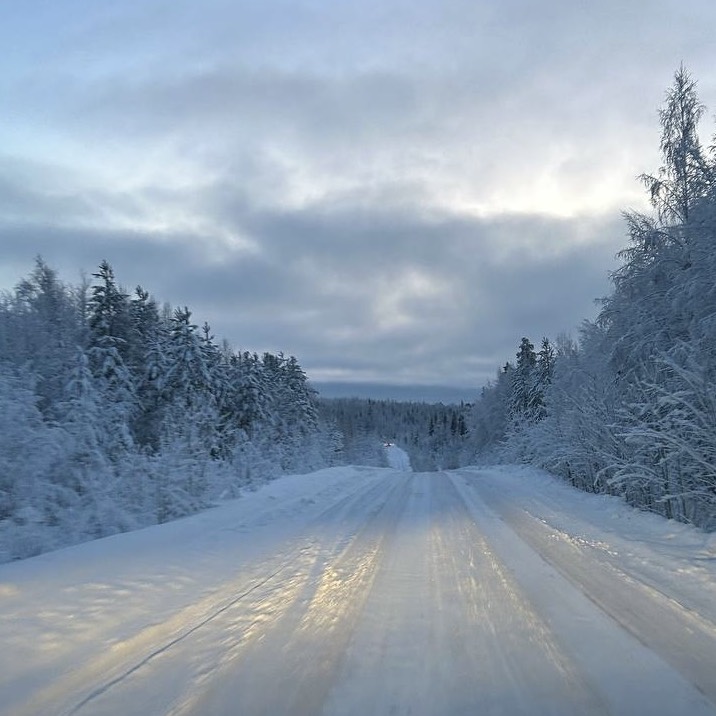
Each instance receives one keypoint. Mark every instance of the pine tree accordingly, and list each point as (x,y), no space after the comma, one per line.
(147,364)
(523,399)
(42,329)
(110,330)
(685,176)
(109,312)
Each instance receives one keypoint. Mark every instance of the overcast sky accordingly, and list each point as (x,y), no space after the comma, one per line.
(391,190)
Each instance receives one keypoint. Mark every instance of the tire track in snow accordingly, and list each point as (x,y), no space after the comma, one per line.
(511,657)
(133,655)
(682,637)
(125,659)
(446,630)
(293,668)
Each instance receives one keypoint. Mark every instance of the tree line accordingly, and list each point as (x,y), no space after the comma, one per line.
(630,408)
(117,413)
(435,436)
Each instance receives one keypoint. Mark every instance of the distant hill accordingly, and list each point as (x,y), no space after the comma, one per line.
(404,393)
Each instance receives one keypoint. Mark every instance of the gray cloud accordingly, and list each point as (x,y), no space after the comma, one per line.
(390,295)
(391,191)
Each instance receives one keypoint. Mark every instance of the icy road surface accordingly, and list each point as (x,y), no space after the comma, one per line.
(372,591)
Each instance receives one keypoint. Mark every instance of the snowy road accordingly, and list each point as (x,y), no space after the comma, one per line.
(369,591)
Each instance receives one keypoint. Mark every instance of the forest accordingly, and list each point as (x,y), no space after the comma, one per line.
(116,413)
(435,436)
(630,408)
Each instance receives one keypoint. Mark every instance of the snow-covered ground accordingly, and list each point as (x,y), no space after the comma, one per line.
(397,458)
(372,591)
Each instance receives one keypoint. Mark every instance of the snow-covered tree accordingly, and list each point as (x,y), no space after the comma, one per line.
(41,326)
(524,399)
(630,410)
(31,499)
(686,176)
(121,414)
